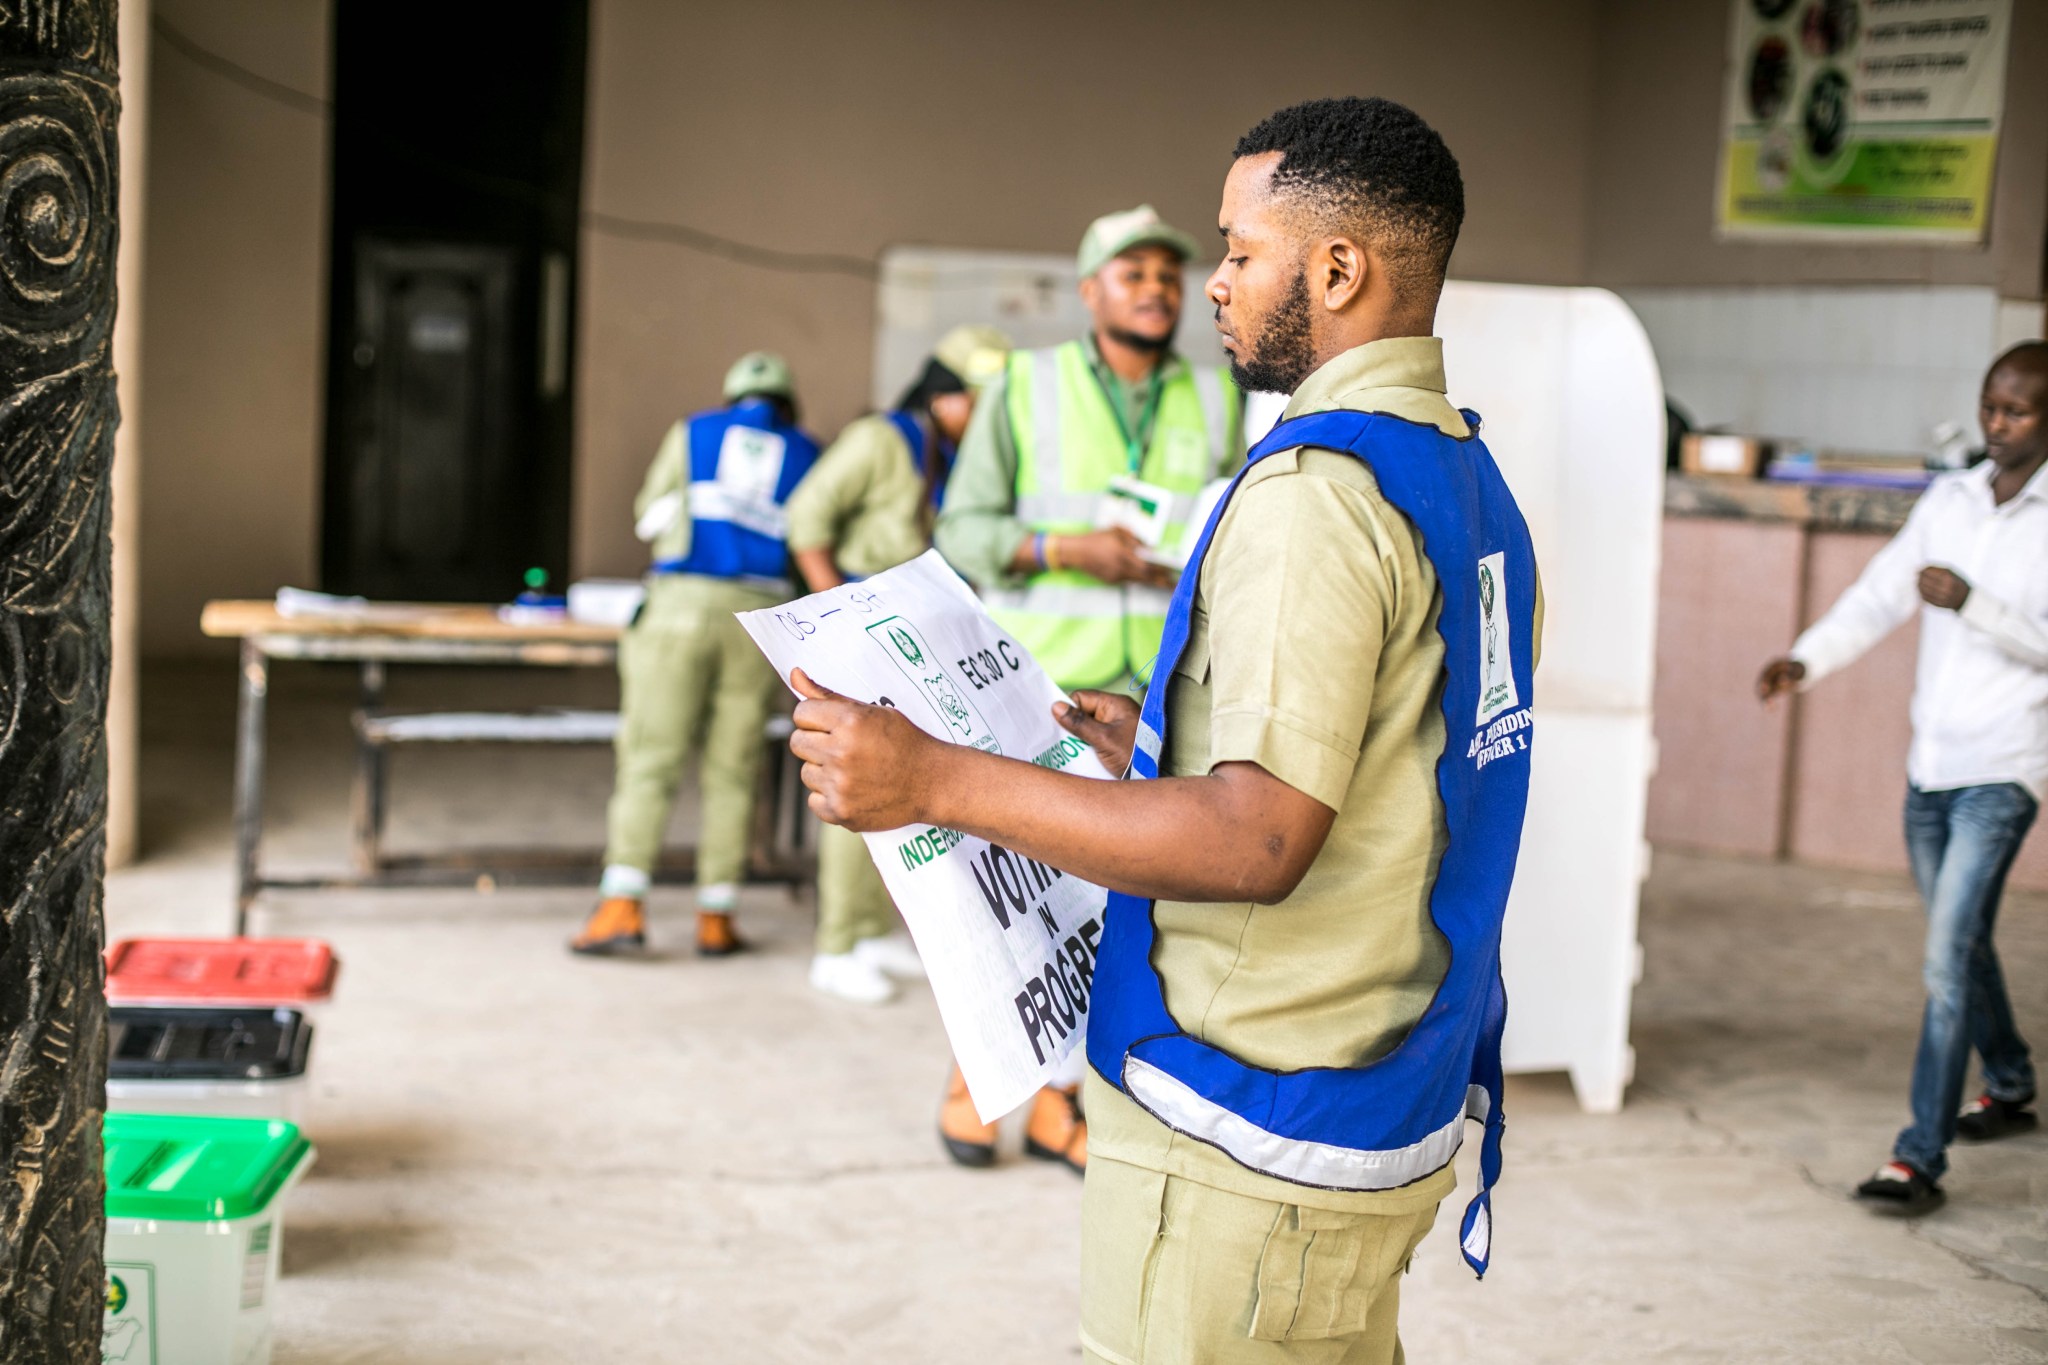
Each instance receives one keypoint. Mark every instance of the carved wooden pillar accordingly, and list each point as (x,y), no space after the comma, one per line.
(58,108)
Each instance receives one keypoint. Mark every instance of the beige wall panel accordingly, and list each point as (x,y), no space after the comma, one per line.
(1657,148)
(848,128)
(1726,605)
(234,314)
(1854,730)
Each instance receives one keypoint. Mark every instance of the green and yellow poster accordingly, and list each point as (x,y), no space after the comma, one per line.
(1862,120)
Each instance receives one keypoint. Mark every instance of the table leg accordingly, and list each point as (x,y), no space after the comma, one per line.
(366,799)
(255,690)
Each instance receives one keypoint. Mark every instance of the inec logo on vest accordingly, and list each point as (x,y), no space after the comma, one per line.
(1496,649)
(906,648)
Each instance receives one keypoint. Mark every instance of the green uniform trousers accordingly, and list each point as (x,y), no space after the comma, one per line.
(1179,1273)
(691,682)
(852,902)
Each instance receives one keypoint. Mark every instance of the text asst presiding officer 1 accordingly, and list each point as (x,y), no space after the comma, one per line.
(1297,1002)
(1021,512)
(712,508)
(867,505)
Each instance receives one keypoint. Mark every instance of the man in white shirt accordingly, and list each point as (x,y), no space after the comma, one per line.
(1972,562)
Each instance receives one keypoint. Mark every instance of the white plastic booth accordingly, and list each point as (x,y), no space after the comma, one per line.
(1574,412)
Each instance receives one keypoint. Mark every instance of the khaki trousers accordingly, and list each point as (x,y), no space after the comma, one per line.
(691,684)
(852,902)
(1178,1273)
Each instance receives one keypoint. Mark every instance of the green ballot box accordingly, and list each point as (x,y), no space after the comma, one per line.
(193,1230)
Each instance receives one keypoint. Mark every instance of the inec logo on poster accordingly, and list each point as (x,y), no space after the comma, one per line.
(1496,647)
(906,648)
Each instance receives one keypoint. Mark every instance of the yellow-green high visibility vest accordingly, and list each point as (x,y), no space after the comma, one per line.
(1070,444)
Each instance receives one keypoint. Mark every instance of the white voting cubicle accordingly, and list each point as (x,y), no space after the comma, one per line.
(1573,410)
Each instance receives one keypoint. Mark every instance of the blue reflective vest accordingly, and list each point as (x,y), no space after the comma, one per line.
(744,464)
(1395,1120)
(913,434)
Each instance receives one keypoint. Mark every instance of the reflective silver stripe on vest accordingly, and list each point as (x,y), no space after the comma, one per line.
(1045,509)
(1480,1239)
(1045,419)
(1149,742)
(1305,1163)
(1215,416)
(1059,599)
(1143,601)
(713,501)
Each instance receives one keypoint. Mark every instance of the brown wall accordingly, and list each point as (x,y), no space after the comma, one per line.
(236,279)
(996,127)
(1587,129)
(1656,146)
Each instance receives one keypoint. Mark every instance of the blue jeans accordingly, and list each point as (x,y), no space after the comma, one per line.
(1962,843)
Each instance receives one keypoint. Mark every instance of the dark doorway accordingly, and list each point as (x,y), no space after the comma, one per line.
(458,150)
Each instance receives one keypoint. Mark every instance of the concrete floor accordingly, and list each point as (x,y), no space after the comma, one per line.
(527,1157)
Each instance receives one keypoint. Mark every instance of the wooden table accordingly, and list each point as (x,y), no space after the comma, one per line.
(380,634)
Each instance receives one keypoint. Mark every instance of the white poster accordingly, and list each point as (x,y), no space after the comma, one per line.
(1009,943)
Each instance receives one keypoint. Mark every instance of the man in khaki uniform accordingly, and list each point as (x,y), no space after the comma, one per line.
(866,506)
(691,682)
(1292,840)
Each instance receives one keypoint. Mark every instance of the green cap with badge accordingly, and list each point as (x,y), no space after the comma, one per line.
(1111,235)
(974,352)
(759,374)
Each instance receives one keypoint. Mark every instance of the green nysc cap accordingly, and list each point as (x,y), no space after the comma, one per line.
(974,353)
(1111,235)
(759,373)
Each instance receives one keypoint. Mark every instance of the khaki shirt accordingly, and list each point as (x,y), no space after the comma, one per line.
(669,473)
(1313,653)
(979,531)
(864,500)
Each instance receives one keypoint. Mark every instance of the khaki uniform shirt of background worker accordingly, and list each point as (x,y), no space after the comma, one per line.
(1293,841)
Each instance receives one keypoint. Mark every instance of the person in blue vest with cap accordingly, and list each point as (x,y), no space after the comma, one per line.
(1297,1002)
(690,680)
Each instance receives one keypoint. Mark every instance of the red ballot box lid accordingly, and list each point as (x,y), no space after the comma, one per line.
(267,971)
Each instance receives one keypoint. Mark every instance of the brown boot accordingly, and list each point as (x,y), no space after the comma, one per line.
(966,1138)
(616,927)
(1058,1131)
(716,936)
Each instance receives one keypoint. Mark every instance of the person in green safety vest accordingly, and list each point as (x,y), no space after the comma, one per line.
(1078,571)
(1031,517)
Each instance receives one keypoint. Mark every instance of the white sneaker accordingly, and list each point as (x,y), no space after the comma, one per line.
(851,979)
(892,955)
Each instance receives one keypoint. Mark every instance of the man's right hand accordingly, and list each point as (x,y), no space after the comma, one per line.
(1779,677)
(1112,556)
(1107,721)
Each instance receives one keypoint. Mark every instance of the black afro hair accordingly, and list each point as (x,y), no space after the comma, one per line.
(1374,167)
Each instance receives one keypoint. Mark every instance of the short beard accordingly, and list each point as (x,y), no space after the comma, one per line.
(1281,355)
(1149,345)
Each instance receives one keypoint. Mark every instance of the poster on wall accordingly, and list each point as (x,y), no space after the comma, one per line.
(1862,120)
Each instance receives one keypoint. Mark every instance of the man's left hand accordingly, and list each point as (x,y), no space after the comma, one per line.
(1941,587)
(868,767)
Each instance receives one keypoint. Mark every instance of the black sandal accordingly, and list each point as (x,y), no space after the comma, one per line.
(1899,1188)
(1988,1118)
